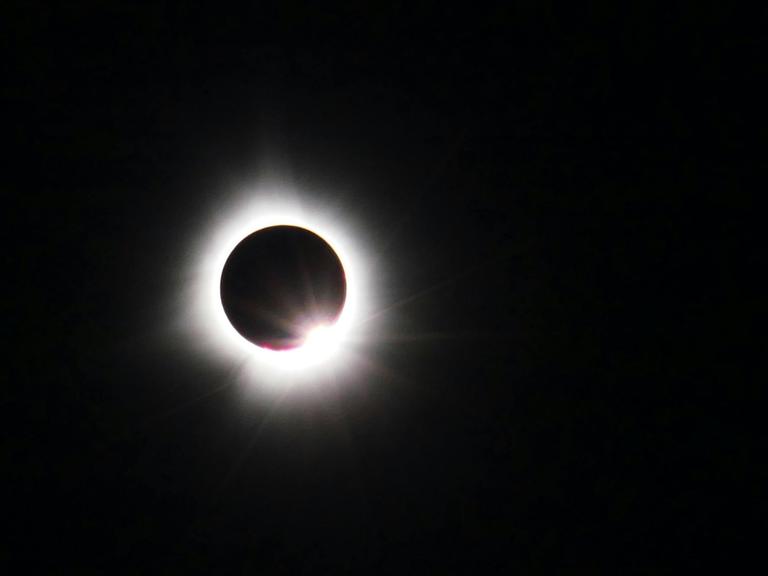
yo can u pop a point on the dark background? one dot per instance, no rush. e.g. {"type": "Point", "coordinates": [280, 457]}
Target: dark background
{"type": "Point", "coordinates": [557, 196]}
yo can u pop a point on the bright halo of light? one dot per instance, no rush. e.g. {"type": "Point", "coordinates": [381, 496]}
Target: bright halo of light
{"type": "Point", "coordinates": [327, 349]}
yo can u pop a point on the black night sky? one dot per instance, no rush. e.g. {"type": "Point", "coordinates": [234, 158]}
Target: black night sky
{"type": "Point", "coordinates": [552, 196]}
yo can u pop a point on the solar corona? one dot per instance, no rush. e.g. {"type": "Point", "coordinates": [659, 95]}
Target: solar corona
{"type": "Point", "coordinates": [280, 289]}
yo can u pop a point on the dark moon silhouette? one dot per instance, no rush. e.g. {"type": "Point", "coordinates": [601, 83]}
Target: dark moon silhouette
{"type": "Point", "coordinates": [279, 283]}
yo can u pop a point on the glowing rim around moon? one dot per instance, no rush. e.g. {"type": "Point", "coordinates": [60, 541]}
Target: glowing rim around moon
{"type": "Point", "coordinates": [324, 346]}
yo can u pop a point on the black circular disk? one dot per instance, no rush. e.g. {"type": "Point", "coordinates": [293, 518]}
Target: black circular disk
{"type": "Point", "coordinates": [279, 283]}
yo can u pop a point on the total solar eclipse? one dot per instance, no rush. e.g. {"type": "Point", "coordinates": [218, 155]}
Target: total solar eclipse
{"type": "Point", "coordinates": [281, 283]}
